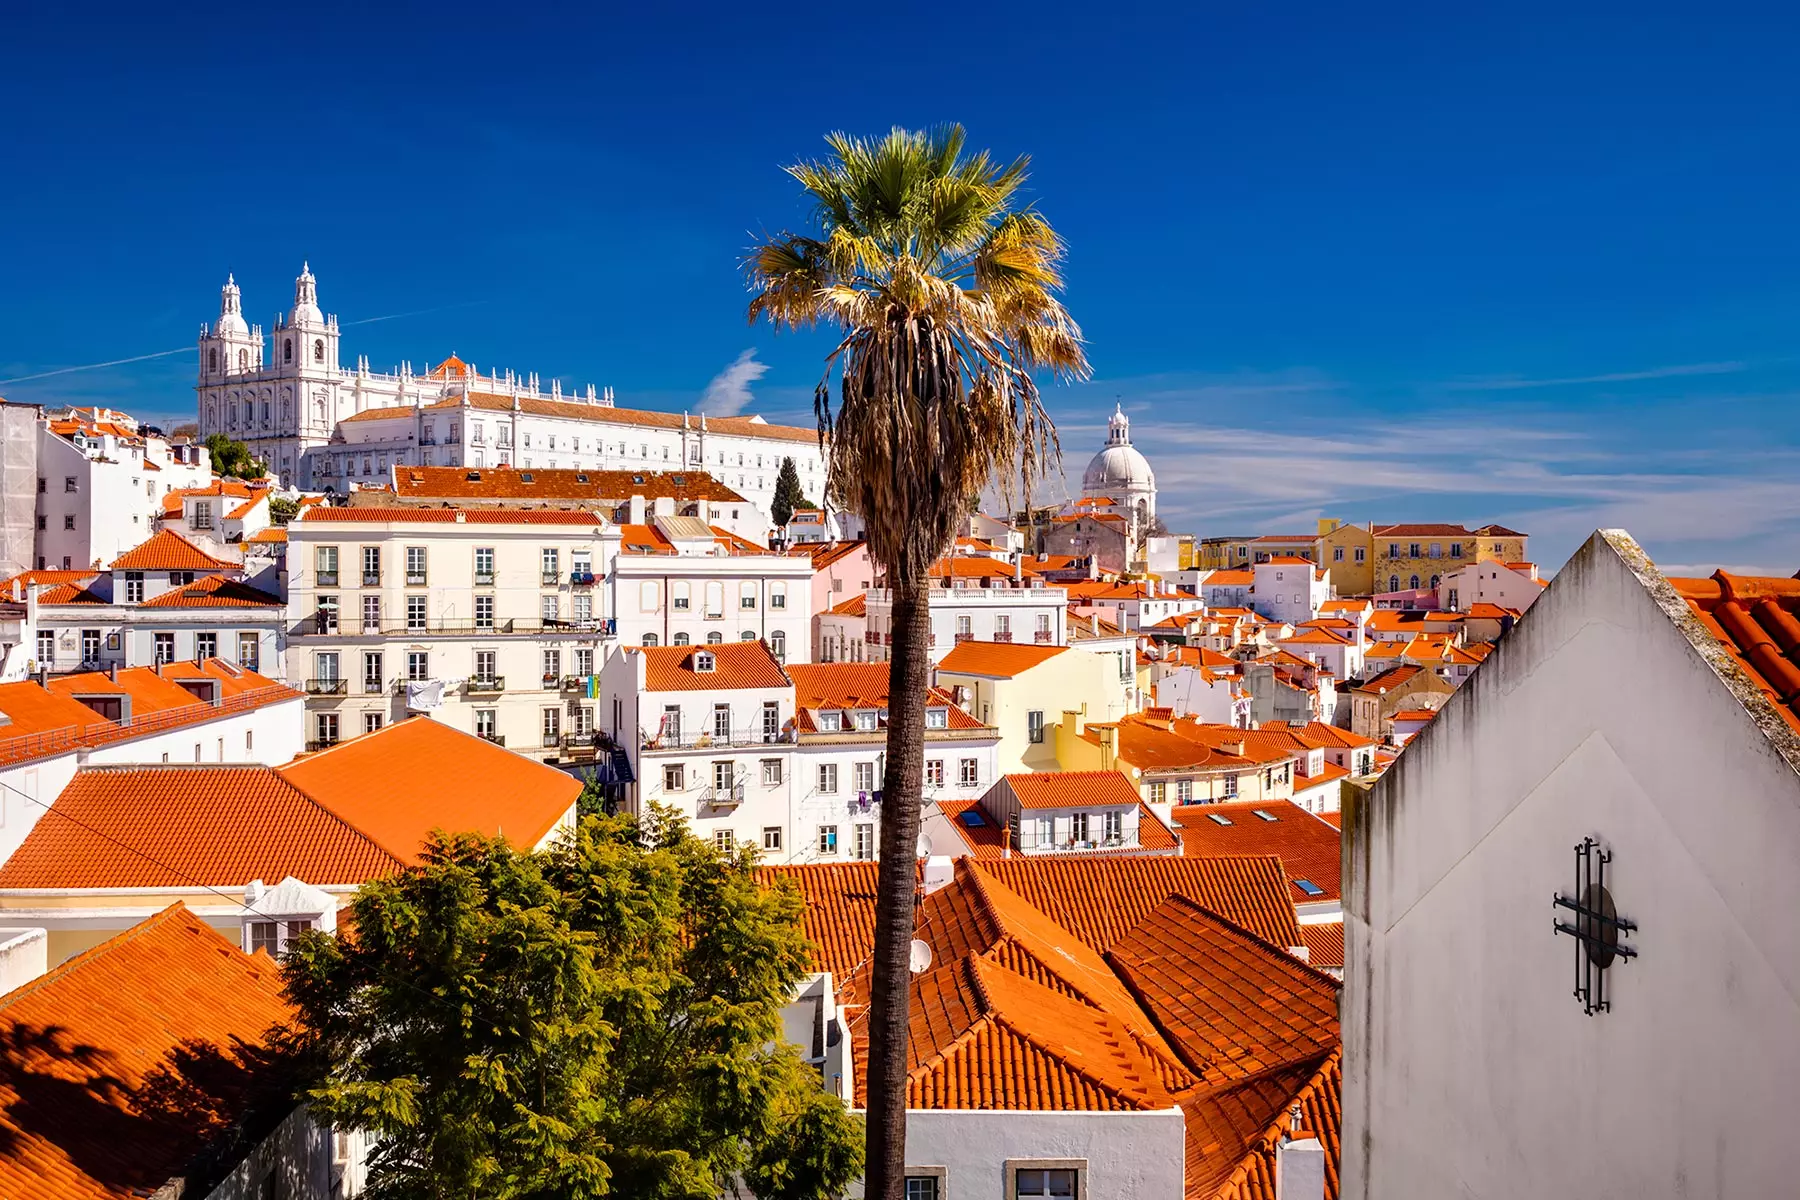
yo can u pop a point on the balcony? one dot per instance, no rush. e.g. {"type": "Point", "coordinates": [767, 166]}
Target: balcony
{"type": "Point", "coordinates": [1042, 637]}
{"type": "Point", "coordinates": [723, 797]}
{"type": "Point", "coordinates": [374, 687]}
{"type": "Point", "coordinates": [580, 745]}
{"type": "Point", "coordinates": [371, 579]}
{"type": "Point", "coordinates": [487, 685]}
{"type": "Point", "coordinates": [484, 579]}
{"type": "Point", "coordinates": [415, 578]}
{"type": "Point", "coordinates": [320, 744]}
{"type": "Point", "coordinates": [1003, 635]}
{"type": "Point", "coordinates": [602, 626]}
{"type": "Point", "coordinates": [581, 578]}
{"type": "Point", "coordinates": [720, 741]}
{"type": "Point", "coordinates": [499, 739]}
{"type": "Point", "coordinates": [551, 578]}
{"type": "Point", "coordinates": [325, 621]}
{"type": "Point", "coordinates": [327, 579]}
{"type": "Point", "coordinates": [574, 683]}
{"type": "Point", "coordinates": [327, 687]}
{"type": "Point", "coordinates": [964, 637]}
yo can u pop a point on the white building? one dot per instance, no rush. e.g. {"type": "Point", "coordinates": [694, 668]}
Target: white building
{"type": "Point", "coordinates": [495, 621]}
{"type": "Point", "coordinates": [1610, 806]}
{"type": "Point", "coordinates": [164, 601]}
{"type": "Point", "coordinates": [100, 485]}
{"type": "Point", "coordinates": [1509, 585]}
{"type": "Point", "coordinates": [1290, 589]}
{"type": "Point", "coordinates": [184, 712]}
{"type": "Point", "coordinates": [319, 424]}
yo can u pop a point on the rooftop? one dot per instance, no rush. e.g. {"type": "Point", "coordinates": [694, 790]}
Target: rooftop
{"type": "Point", "coordinates": [733, 665]}
{"type": "Point", "coordinates": [1757, 620]}
{"type": "Point", "coordinates": [599, 413]}
{"type": "Point", "coordinates": [996, 660]}
{"type": "Point", "coordinates": [407, 514]}
{"type": "Point", "coordinates": [1308, 847]}
{"type": "Point", "coordinates": [554, 483]}
{"type": "Point", "coordinates": [169, 551]}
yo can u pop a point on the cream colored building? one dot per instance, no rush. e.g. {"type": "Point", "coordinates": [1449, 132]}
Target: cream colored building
{"type": "Point", "coordinates": [1023, 691]}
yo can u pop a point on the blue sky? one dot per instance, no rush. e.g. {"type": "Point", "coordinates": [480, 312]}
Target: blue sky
{"type": "Point", "coordinates": [1393, 262]}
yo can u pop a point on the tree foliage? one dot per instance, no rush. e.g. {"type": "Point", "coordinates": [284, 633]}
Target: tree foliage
{"type": "Point", "coordinates": [601, 1019]}
{"type": "Point", "coordinates": [233, 459]}
{"type": "Point", "coordinates": [945, 299]}
{"type": "Point", "coordinates": [282, 510]}
{"type": "Point", "coordinates": [789, 499]}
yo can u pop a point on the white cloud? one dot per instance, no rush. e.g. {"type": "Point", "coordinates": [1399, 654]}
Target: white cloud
{"type": "Point", "coordinates": [729, 392]}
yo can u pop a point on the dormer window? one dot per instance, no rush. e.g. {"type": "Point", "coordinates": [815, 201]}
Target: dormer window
{"type": "Point", "coordinates": [704, 661]}
{"type": "Point", "coordinates": [866, 721]}
{"type": "Point", "coordinates": [937, 718]}
{"type": "Point", "coordinates": [830, 722]}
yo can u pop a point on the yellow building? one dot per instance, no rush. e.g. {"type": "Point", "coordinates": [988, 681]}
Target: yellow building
{"type": "Point", "coordinates": [1419, 556]}
{"type": "Point", "coordinates": [1222, 553]}
{"type": "Point", "coordinates": [1347, 552]}
{"type": "Point", "coordinates": [1175, 762]}
{"type": "Point", "coordinates": [1023, 690]}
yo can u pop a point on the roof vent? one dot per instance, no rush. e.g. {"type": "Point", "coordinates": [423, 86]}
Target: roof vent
{"type": "Point", "coordinates": [473, 477]}
{"type": "Point", "coordinates": [1267, 816]}
{"type": "Point", "coordinates": [1219, 818]}
{"type": "Point", "coordinates": [525, 477]}
{"type": "Point", "coordinates": [637, 479]}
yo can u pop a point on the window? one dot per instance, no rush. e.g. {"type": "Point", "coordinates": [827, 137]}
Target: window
{"type": "Point", "coordinates": [46, 647]}
{"type": "Point", "coordinates": [828, 837]}
{"type": "Point", "coordinates": [865, 842]}
{"type": "Point", "coordinates": [1393, 583]}
{"type": "Point", "coordinates": [778, 595]}
{"type": "Point", "coordinates": [778, 645]}
{"type": "Point", "coordinates": [1231, 786]}
{"type": "Point", "coordinates": [263, 937]}
{"type": "Point", "coordinates": [165, 648]}
{"type": "Point", "coordinates": [548, 607]}
{"type": "Point", "coordinates": [771, 772]}
{"type": "Point", "coordinates": [722, 721]}
{"type": "Point", "coordinates": [325, 566]}
{"type": "Point", "coordinates": [552, 663]}
{"type": "Point", "coordinates": [828, 778]}
{"type": "Point", "coordinates": [484, 611]}
{"type": "Point", "coordinates": [923, 1187]}
{"type": "Point", "coordinates": [704, 661]}
{"type": "Point", "coordinates": [1337, 554]}
{"type": "Point", "coordinates": [1002, 628]}
{"type": "Point", "coordinates": [43, 521]}
{"type": "Point", "coordinates": [678, 596]}
{"type": "Point", "coordinates": [1414, 584]}
{"type": "Point", "coordinates": [134, 587]}
{"type": "Point", "coordinates": [1078, 827]}
{"type": "Point", "coordinates": [650, 639]}
{"type": "Point", "coordinates": [865, 776]}
{"type": "Point", "coordinates": [69, 483]}
{"type": "Point", "coordinates": [680, 639]}
{"type": "Point", "coordinates": [771, 837]}
{"type": "Point", "coordinates": [249, 650]}
{"type": "Point", "coordinates": [1158, 792]}
{"type": "Point", "coordinates": [968, 772]}
{"type": "Point", "coordinates": [371, 566]}
{"type": "Point", "coordinates": [937, 718]}
{"type": "Point", "coordinates": [724, 841]}
{"type": "Point", "coordinates": [714, 638]}
{"type": "Point", "coordinates": [69, 521]}
{"type": "Point", "coordinates": [484, 564]}
{"type": "Point", "coordinates": [1456, 549]}
{"type": "Point", "coordinates": [867, 720]}
{"type": "Point", "coordinates": [722, 778]}
{"type": "Point", "coordinates": [372, 671]}
{"type": "Point", "coordinates": [583, 603]}
{"type": "Point", "coordinates": [1412, 550]}
{"type": "Point", "coordinates": [964, 630]}
{"type": "Point", "coordinates": [1437, 549]}
{"type": "Point", "coordinates": [552, 724]}
{"type": "Point", "coordinates": [415, 613]}
{"type": "Point", "coordinates": [418, 665]}
{"type": "Point", "coordinates": [1184, 791]}
{"type": "Point", "coordinates": [415, 566]}
{"type": "Point", "coordinates": [552, 572]}
{"type": "Point", "coordinates": [934, 772]}
{"type": "Point", "coordinates": [1033, 1182]}
{"type": "Point", "coordinates": [485, 666]}
{"type": "Point", "coordinates": [1361, 553]}
{"type": "Point", "coordinates": [326, 724]}
{"type": "Point", "coordinates": [371, 614]}
{"type": "Point", "coordinates": [715, 599]}
{"type": "Point", "coordinates": [1112, 826]}
{"type": "Point", "coordinates": [1034, 726]}
{"type": "Point", "coordinates": [746, 595]}
{"type": "Point", "coordinates": [672, 777]}
{"type": "Point", "coordinates": [829, 721]}
{"type": "Point", "coordinates": [584, 662]}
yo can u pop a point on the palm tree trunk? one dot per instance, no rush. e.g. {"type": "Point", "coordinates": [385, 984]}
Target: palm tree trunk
{"type": "Point", "coordinates": [909, 676]}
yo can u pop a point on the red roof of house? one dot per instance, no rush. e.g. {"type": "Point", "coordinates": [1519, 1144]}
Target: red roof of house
{"type": "Point", "coordinates": [94, 1049]}
{"type": "Point", "coordinates": [1324, 942]}
{"type": "Point", "coordinates": [1308, 847]}
{"type": "Point", "coordinates": [169, 551]}
{"type": "Point", "coordinates": [214, 591]}
{"type": "Point", "coordinates": [1064, 789]}
{"type": "Point", "coordinates": [1757, 620]}
{"type": "Point", "coordinates": [855, 606]}
{"type": "Point", "coordinates": [555, 483]}
{"type": "Point", "coordinates": [735, 665]}
{"type": "Point", "coordinates": [843, 687]}
{"type": "Point", "coordinates": [407, 514]}
{"type": "Point", "coordinates": [999, 660]}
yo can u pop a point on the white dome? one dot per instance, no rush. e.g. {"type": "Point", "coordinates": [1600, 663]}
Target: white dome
{"type": "Point", "coordinates": [1118, 471]}
{"type": "Point", "coordinates": [306, 300]}
{"type": "Point", "coordinates": [231, 310]}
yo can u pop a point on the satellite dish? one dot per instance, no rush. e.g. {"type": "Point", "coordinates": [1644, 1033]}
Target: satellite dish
{"type": "Point", "coordinates": [922, 847]}
{"type": "Point", "coordinates": [918, 957]}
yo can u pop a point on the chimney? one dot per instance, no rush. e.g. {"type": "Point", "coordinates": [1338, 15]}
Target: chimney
{"type": "Point", "coordinates": [112, 671]}
{"type": "Point", "coordinates": [663, 506]}
{"type": "Point", "coordinates": [940, 869]}
{"type": "Point", "coordinates": [636, 516]}
{"type": "Point", "coordinates": [1300, 1169]}
{"type": "Point", "coordinates": [1234, 748]}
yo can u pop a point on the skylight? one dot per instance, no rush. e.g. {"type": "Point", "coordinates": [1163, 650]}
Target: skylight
{"type": "Point", "coordinates": [525, 477]}
{"type": "Point", "coordinates": [581, 477]}
{"type": "Point", "coordinates": [972, 819]}
{"type": "Point", "coordinates": [1309, 887]}
{"type": "Point", "coordinates": [1219, 818]}
{"type": "Point", "coordinates": [678, 480]}
{"type": "Point", "coordinates": [1267, 816]}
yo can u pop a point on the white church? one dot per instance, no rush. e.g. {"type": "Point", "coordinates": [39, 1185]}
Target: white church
{"type": "Point", "coordinates": [1115, 518]}
{"type": "Point", "coordinates": [321, 426]}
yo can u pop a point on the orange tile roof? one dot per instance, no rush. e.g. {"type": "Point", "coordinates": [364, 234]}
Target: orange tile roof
{"type": "Point", "coordinates": [1415, 714]}
{"type": "Point", "coordinates": [409, 778]}
{"type": "Point", "coordinates": [839, 918]}
{"type": "Point", "coordinates": [843, 687]}
{"type": "Point", "coordinates": [855, 606]}
{"type": "Point", "coordinates": [1235, 1129]}
{"type": "Point", "coordinates": [1491, 612]}
{"type": "Point", "coordinates": [997, 660]}
{"type": "Point", "coordinates": [735, 665]}
{"type": "Point", "coordinates": [274, 534]}
{"type": "Point", "coordinates": [1309, 848]}
{"type": "Point", "coordinates": [1324, 942]}
{"type": "Point", "coordinates": [990, 839]}
{"type": "Point", "coordinates": [1166, 745]}
{"type": "Point", "coordinates": [1757, 620]}
{"type": "Point", "coordinates": [403, 514]}
{"type": "Point", "coordinates": [1290, 560]}
{"type": "Point", "coordinates": [602, 414]}
{"type": "Point", "coordinates": [977, 566]}
{"type": "Point", "coordinates": [1238, 578]}
{"type": "Point", "coordinates": [171, 501]}
{"type": "Point", "coordinates": [1437, 531]}
{"type": "Point", "coordinates": [214, 591]}
{"type": "Point", "coordinates": [15, 586]}
{"type": "Point", "coordinates": [95, 1043]}
{"type": "Point", "coordinates": [169, 551]}
{"type": "Point", "coordinates": [1231, 1004]}
{"type": "Point", "coordinates": [1317, 637]}
{"type": "Point", "coordinates": [1393, 677]}
{"type": "Point", "coordinates": [555, 483]}
{"type": "Point", "coordinates": [1063, 789]}
{"type": "Point", "coordinates": [1100, 899]}
{"type": "Point", "coordinates": [1334, 819]}
{"type": "Point", "coordinates": [179, 826]}
{"type": "Point", "coordinates": [824, 554]}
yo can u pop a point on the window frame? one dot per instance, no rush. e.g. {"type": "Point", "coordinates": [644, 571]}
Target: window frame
{"type": "Point", "coordinates": [1013, 1167]}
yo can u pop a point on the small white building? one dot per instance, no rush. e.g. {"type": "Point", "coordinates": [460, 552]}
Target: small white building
{"type": "Point", "coordinates": [101, 483]}
{"type": "Point", "coordinates": [1290, 589]}
{"type": "Point", "coordinates": [1508, 585]}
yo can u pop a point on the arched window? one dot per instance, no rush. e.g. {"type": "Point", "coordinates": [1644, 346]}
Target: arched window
{"type": "Point", "coordinates": [1436, 579]}
{"type": "Point", "coordinates": [287, 349]}
{"type": "Point", "coordinates": [714, 638]}
{"type": "Point", "coordinates": [243, 360]}
{"type": "Point", "coordinates": [778, 645]}
{"type": "Point", "coordinates": [749, 635]}
{"type": "Point", "coordinates": [680, 639]}
{"type": "Point", "coordinates": [649, 639]}
{"type": "Point", "coordinates": [1414, 584]}
{"type": "Point", "coordinates": [318, 350]}
{"type": "Point", "coordinates": [1393, 583]}
{"type": "Point", "coordinates": [265, 412]}
{"type": "Point", "coordinates": [212, 359]}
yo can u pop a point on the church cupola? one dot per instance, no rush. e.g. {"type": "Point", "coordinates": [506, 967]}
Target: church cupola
{"type": "Point", "coordinates": [306, 299]}
{"type": "Point", "coordinates": [231, 347]}
{"type": "Point", "coordinates": [231, 309]}
{"type": "Point", "coordinates": [1118, 427]}
{"type": "Point", "coordinates": [306, 341]}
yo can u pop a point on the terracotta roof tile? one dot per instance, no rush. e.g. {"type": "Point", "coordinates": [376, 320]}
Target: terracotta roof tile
{"type": "Point", "coordinates": [999, 660]}
{"type": "Point", "coordinates": [169, 551]}
{"type": "Point", "coordinates": [989, 838]}
{"type": "Point", "coordinates": [855, 606]}
{"type": "Point", "coordinates": [555, 483]}
{"type": "Point", "coordinates": [839, 917]}
{"type": "Point", "coordinates": [1235, 1129]}
{"type": "Point", "coordinates": [216, 826]}
{"type": "Point", "coordinates": [272, 535]}
{"type": "Point", "coordinates": [409, 778]}
{"type": "Point", "coordinates": [845, 687]}
{"type": "Point", "coordinates": [735, 665]}
{"type": "Point", "coordinates": [403, 514]}
{"type": "Point", "coordinates": [977, 566]}
{"type": "Point", "coordinates": [1100, 899]}
{"type": "Point", "coordinates": [1309, 848]}
{"type": "Point", "coordinates": [1757, 620]}
{"type": "Point", "coordinates": [214, 591]}
{"type": "Point", "coordinates": [1062, 789]}
{"type": "Point", "coordinates": [1324, 941]}
{"type": "Point", "coordinates": [1231, 1004]}
{"type": "Point", "coordinates": [90, 1036]}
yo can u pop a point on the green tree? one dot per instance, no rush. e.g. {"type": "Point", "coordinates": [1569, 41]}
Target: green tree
{"type": "Point", "coordinates": [788, 496]}
{"type": "Point", "coordinates": [595, 1020]}
{"type": "Point", "coordinates": [282, 510]}
{"type": "Point", "coordinates": [944, 300]}
{"type": "Point", "coordinates": [233, 459]}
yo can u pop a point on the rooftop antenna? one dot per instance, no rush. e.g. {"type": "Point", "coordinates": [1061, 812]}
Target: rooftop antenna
{"type": "Point", "coordinates": [918, 957]}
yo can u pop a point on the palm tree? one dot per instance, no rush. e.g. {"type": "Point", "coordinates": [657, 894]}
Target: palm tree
{"type": "Point", "coordinates": [945, 295]}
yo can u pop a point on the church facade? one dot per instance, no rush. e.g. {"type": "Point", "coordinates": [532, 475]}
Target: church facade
{"type": "Point", "coordinates": [321, 426]}
{"type": "Point", "coordinates": [1116, 514]}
